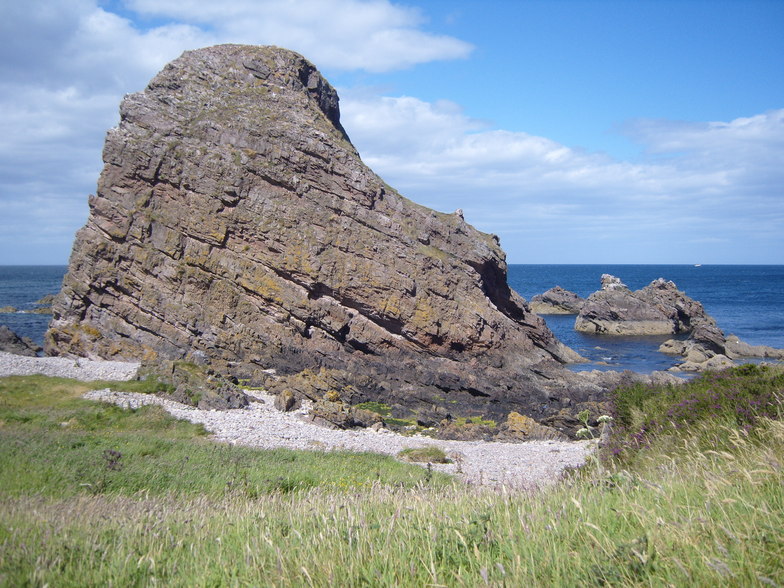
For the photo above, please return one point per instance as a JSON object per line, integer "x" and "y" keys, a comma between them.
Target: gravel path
{"x": 516, "y": 465}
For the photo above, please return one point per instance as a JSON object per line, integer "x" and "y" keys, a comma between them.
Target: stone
{"x": 707, "y": 348}
{"x": 235, "y": 226}
{"x": 557, "y": 301}
{"x": 336, "y": 415}
{"x": 365, "y": 418}
{"x": 519, "y": 427}
{"x": 8, "y": 310}
{"x": 704, "y": 363}
{"x": 737, "y": 349}
{"x": 657, "y": 309}
{"x": 285, "y": 401}
{"x": 46, "y": 300}
{"x": 10, "y": 342}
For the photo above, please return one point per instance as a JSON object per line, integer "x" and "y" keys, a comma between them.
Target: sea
{"x": 745, "y": 300}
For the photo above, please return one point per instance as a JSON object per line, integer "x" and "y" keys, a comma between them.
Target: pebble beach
{"x": 526, "y": 466}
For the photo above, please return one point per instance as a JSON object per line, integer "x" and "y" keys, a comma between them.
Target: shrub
{"x": 736, "y": 397}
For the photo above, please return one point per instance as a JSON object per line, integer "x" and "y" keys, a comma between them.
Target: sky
{"x": 579, "y": 131}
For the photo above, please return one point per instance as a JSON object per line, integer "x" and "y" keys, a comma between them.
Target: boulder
{"x": 332, "y": 414}
{"x": 737, "y": 349}
{"x": 10, "y": 342}
{"x": 557, "y": 301}
{"x": 519, "y": 427}
{"x": 657, "y": 309}
{"x": 285, "y": 401}
{"x": 235, "y": 226}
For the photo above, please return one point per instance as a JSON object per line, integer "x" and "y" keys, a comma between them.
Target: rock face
{"x": 657, "y": 309}
{"x": 235, "y": 225}
{"x": 10, "y": 342}
{"x": 557, "y": 301}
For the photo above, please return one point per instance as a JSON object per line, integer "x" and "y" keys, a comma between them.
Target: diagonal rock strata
{"x": 235, "y": 225}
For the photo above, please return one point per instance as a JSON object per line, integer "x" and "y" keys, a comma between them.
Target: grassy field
{"x": 93, "y": 495}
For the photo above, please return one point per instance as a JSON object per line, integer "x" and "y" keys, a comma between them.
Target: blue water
{"x": 21, "y": 286}
{"x": 745, "y": 300}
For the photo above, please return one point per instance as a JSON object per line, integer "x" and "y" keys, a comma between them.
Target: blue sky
{"x": 580, "y": 131}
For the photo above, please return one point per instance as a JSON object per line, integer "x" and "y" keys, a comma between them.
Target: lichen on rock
{"x": 235, "y": 226}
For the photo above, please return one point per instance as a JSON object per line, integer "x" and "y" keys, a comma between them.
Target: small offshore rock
{"x": 557, "y": 301}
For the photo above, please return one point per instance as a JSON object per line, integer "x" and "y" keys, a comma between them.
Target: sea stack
{"x": 234, "y": 225}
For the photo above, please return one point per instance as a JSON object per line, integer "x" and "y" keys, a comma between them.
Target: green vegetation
{"x": 696, "y": 500}
{"x": 736, "y": 398}
{"x": 56, "y": 444}
{"x": 377, "y": 407}
{"x": 477, "y": 420}
{"x": 424, "y": 455}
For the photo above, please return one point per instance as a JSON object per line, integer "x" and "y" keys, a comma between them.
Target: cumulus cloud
{"x": 371, "y": 35}
{"x": 701, "y": 183}
{"x": 65, "y": 65}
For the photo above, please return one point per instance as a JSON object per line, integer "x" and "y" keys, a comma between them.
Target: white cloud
{"x": 372, "y": 35}
{"x": 65, "y": 65}
{"x": 717, "y": 188}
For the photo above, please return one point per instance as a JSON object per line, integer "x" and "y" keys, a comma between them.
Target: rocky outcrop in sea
{"x": 235, "y": 226}
{"x": 657, "y": 309}
{"x": 707, "y": 348}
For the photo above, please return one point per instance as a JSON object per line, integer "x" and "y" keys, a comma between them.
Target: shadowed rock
{"x": 10, "y": 342}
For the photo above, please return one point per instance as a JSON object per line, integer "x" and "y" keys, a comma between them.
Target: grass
{"x": 54, "y": 443}
{"x": 429, "y": 454}
{"x": 672, "y": 511}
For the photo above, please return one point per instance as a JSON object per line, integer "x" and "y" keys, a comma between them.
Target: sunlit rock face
{"x": 235, "y": 225}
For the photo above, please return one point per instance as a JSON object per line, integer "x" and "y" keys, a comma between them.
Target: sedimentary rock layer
{"x": 234, "y": 224}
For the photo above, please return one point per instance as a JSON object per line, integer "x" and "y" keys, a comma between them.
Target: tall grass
{"x": 675, "y": 513}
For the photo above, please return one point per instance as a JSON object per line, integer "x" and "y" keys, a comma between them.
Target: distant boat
{"x": 697, "y": 265}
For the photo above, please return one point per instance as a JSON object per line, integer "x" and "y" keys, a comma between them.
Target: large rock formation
{"x": 235, "y": 225}
{"x": 657, "y": 309}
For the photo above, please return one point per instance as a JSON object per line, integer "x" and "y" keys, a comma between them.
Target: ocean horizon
{"x": 745, "y": 300}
